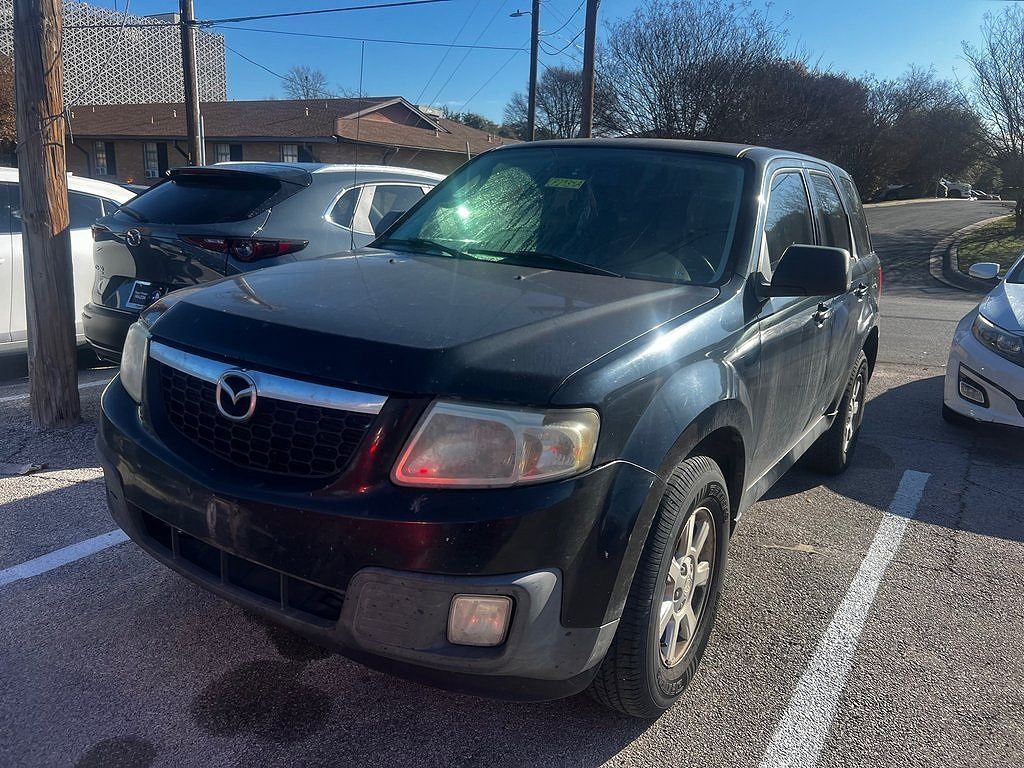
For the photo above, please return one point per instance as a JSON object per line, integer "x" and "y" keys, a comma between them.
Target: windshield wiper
{"x": 422, "y": 242}
{"x": 537, "y": 256}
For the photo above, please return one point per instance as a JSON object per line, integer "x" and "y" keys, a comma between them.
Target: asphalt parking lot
{"x": 868, "y": 620}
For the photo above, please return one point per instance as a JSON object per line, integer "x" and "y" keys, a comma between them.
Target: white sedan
{"x": 985, "y": 374}
{"x": 88, "y": 200}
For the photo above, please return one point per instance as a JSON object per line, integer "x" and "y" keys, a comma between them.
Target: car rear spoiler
{"x": 290, "y": 175}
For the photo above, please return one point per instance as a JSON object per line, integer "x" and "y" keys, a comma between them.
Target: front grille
{"x": 281, "y": 437}
{"x": 314, "y": 603}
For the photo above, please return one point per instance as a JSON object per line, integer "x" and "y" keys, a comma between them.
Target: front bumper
{"x": 106, "y": 328}
{"x": 1000, "y": 381}
{"x": 372, "y": 574}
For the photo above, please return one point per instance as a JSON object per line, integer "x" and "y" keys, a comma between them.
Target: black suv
{"x": 504, "y": 450}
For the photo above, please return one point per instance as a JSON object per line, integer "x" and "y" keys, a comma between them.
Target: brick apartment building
{"x": 139, "y": 142}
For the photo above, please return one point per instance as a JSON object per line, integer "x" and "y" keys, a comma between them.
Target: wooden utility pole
{"x": 46, "y": 239}
{"x": 531, "y": 111}
{"x": 196, "y": 151}
{"x": 589, "y": 45}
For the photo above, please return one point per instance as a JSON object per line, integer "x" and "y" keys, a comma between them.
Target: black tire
{"x": 832, "y": 452}
{"x": 957, "y": 419}
{"x": 633, "y": 678}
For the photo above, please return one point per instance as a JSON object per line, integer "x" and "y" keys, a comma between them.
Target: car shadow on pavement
{"x": 977, "y": 479}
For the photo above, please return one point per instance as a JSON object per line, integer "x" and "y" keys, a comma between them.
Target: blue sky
{"x": 856, "y": 36}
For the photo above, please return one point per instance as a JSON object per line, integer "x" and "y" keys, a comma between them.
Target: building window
{"x": 103, "y": 156}
{"x": 289, "y": 153}
{"x": 221, "y": 153}
{"x": 151, "y": 160}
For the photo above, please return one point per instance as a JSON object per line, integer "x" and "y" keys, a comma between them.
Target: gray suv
{"x": 200, "y": 224}
{"x": 504, "y": 449}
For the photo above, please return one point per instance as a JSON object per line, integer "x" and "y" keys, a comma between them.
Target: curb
{"x": 942, "y": 262}
{"x": 891, "y": 203}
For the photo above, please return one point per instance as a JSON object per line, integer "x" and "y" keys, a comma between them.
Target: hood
{"x": 421, "y": 325}
{"x": 1004, "y": 306}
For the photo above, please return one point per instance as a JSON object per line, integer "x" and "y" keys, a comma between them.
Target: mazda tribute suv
{"x": 503, "y": 450}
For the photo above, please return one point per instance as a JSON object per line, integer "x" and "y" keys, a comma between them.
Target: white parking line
{"x": 24, "y": 395}
{"x": 62, "y": 556}
{"x": 801, "y": 733}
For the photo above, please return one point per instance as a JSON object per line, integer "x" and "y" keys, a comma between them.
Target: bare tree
{"x": 302, "y": 82}
{"x": 684, "y": 68}
{"x": 997, "y": 64}
{"x": 559, "y": 105}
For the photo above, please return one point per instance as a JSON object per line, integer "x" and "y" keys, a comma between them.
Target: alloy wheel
{"x": 687, "y": 586}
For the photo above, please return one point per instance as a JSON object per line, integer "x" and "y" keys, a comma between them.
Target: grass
{"x": 994, "y": 242}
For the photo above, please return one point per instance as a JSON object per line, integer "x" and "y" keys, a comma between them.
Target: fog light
{"x": 972, "y": 392}
{"x": 479, "y": 619}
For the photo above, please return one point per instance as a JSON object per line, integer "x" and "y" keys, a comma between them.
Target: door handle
{"x": 822, "y": 314}
{"x": 860, "y": 291}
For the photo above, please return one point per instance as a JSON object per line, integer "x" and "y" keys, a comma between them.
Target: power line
{"x": 488, "y": 81}
{"x": 397, "y": 4}
{"x": 566, "y": 24}
{"x": 254, "y": 63}
{"x": 445, "y": 57}
{"x": 566, "y": 47}
{"x": 462, "y": 61}
{"x": 325, "y": 36}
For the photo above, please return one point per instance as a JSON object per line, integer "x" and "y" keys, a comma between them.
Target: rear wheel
{"x": 833, "y": 451}
{"x": 671, "y": 606}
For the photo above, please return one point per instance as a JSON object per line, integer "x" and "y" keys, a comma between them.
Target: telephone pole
{"x": 196, "y": 150}
{"x": 46, "y": 239}
{"x": 589, "y": 44}
{"x": 531, "y": 117}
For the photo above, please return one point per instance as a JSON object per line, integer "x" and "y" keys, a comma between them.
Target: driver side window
{"x": 788, "y": 219}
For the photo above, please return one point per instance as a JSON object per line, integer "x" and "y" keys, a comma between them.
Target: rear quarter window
{"x": 205, "y": 199}
{"x": 858, "y": 221}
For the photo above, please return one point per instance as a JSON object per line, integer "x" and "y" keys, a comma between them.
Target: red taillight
{"x": 246, "y": 248}
{"x": 98, "y": 231}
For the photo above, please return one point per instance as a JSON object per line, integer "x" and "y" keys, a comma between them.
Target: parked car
{"x": 957, "y": 189}
{"x": 503, "y": 450}
{"x": 985, "y": 372}
{"x": 200, "y": 224}
{"x": 979, "y": 194}
{"x": 88, "y": 200}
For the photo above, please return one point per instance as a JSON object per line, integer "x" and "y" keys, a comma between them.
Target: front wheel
{"x": 672, "y": 602}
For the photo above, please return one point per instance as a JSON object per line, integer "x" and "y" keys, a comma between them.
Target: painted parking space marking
{"x": 63, "y": 556}
{"x": 24, "y": 395}
{"x": 800, "y": 735}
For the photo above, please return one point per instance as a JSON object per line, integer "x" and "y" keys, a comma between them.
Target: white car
{"x": 88, "y": 200}
{"x": 985, "y": 374}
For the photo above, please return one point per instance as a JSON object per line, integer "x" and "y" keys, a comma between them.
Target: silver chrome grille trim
{"x": 269, "y": 384}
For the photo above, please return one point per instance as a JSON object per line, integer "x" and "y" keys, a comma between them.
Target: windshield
{"x": 647, "y": 214}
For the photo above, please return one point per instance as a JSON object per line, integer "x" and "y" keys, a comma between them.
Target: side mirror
{"x": 810, "y": 270}
{"x": 984, "y": 270}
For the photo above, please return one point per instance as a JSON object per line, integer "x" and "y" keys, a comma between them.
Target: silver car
{"x": 201, "y": 224}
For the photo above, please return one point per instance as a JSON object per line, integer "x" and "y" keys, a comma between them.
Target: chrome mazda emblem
{"x": 133, "y": 237}
{"x": 236, "y": 395}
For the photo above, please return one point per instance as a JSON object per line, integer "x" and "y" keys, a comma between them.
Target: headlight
{"x": 1001, "y": 342}
{"x": 484, "y": 447}
{"x": 133, "y": 360}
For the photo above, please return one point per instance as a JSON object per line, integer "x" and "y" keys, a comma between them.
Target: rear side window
{"x": 7, "y": 208}
{"x": 343, "y": 210}
{"x": 83, "y": 210}
{"x": 858, "y": 220}
{"x": 788, "y": 219}
{"x": 207, "y": 199}
{"x": 389, "y": 198}
{"x": 835, "y": 227}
